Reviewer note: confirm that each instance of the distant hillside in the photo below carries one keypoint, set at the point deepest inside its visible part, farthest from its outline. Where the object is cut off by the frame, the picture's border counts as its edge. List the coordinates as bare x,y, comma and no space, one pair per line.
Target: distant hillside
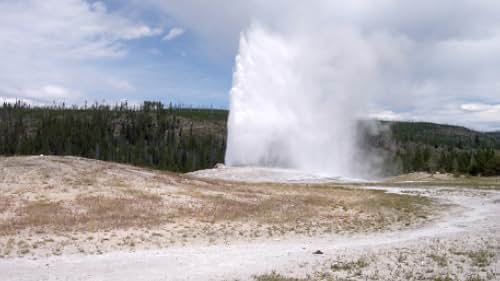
495,135
184,139
419,146
154,135
442,135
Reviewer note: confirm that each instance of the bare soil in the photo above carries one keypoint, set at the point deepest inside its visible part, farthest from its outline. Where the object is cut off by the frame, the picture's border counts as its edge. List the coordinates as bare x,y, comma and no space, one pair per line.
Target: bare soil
52,206
444,179
67,218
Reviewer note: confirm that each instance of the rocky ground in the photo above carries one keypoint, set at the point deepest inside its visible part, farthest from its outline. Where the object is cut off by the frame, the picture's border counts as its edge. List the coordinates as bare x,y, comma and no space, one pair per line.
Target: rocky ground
462,245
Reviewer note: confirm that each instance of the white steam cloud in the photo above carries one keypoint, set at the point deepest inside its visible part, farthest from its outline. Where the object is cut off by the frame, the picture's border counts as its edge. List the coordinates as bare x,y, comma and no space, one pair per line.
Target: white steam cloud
442,54
297,95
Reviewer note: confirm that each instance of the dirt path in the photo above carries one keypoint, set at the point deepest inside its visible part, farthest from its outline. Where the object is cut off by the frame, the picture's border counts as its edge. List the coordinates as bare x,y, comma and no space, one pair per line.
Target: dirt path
470,227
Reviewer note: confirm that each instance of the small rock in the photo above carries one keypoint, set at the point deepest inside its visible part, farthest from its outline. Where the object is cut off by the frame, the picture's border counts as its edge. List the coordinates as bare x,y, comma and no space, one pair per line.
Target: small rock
219,166
318,252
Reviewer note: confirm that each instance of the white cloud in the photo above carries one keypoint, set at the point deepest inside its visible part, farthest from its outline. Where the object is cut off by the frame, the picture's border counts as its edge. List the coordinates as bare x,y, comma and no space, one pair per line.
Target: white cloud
479,116
437,61
386,115
70,28
483,116
51,92
439,54
121,85
136,32
174,33
45,94
14,100
481,107
98,7
45,44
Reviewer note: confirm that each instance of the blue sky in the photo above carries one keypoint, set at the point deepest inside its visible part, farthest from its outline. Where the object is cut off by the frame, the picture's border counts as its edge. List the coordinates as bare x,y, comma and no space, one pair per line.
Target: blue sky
87,59
175,70
446,52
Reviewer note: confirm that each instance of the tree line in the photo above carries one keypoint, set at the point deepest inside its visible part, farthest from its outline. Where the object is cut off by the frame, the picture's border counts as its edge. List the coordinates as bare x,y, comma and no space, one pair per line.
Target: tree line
419,146
154,135
182,139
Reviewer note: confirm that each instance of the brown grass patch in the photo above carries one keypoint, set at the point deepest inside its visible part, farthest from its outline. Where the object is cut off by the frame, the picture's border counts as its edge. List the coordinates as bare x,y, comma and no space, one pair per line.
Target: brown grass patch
133,197
87,213
334,208
39,214
5,203
143,195
273,276
271,209
120,212
379,200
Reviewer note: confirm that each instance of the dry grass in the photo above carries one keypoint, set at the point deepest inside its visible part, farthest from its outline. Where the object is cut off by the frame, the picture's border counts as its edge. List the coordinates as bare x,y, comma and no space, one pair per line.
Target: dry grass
266,209
89,213
481,258
469,258
70,195
143,195
39,214
5,203
120,212
360,263
298,209
441,260
273,276
427,179
332,207
298,204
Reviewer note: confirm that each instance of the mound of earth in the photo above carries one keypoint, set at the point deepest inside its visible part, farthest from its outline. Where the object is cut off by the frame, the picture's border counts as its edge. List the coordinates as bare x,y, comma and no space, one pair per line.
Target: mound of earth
67,205
266,174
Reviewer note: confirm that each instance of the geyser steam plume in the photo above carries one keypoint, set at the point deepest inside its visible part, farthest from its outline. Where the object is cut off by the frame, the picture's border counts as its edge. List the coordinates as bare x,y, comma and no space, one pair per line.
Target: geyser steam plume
296,97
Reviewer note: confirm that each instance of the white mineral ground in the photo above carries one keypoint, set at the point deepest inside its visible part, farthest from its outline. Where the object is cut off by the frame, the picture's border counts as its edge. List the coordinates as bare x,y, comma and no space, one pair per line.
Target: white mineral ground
447,246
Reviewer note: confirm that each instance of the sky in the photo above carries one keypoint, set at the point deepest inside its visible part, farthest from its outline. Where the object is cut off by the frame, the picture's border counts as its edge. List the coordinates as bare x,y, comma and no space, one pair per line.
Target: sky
444,56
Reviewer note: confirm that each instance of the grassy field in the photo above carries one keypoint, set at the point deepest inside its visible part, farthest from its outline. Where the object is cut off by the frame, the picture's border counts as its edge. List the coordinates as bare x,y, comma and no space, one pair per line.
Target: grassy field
445,180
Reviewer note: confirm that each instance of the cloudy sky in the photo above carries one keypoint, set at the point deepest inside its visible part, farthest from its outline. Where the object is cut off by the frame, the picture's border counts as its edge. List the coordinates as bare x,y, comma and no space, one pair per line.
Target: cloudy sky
445,55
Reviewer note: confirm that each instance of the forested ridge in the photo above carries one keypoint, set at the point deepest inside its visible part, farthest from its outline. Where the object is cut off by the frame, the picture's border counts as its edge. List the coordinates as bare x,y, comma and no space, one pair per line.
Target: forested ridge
422,146
184,139
154,135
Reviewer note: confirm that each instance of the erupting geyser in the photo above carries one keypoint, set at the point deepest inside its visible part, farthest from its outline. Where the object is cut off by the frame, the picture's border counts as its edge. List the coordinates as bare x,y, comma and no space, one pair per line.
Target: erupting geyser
296,97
